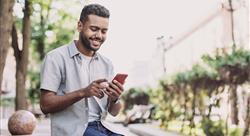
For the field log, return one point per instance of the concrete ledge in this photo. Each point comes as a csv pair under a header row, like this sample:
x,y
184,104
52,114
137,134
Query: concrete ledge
x,y
149,130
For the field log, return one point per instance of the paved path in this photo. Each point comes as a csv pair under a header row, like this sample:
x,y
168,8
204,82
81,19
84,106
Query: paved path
x,y
43,128
149,130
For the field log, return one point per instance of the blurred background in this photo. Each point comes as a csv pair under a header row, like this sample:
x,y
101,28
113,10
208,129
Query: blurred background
x,y
188,61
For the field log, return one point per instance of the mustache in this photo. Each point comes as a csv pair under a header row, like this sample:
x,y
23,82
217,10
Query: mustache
x,y
96,39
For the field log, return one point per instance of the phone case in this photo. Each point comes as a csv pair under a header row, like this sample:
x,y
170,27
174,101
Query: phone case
x,y
120,78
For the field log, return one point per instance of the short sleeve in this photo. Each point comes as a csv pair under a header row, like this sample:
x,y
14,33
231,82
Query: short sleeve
x,y
50,74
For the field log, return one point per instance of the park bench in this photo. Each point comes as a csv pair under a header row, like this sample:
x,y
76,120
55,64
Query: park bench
x,y
138,114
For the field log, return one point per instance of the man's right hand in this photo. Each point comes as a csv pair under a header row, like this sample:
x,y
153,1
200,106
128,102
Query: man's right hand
x,y
95,89
50,102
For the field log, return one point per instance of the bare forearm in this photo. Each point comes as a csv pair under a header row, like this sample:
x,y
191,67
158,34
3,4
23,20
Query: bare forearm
x,y
53,103
114,109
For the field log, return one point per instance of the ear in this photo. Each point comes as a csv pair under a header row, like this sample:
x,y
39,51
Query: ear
x,y
79,26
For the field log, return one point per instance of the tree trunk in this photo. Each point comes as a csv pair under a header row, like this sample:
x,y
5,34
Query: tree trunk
x,y
217,91
6,20
185,96
247,120
21,94
43,28
22,57
192,124
232,23
211,104
234,105
41,42
191,119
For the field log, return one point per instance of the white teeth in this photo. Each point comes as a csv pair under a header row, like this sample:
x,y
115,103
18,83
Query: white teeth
x,y
96,42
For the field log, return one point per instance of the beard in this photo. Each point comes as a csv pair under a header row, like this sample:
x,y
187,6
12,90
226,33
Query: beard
x,y
86,42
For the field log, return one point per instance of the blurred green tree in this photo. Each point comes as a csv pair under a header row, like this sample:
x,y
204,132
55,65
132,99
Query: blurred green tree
x,y
47,34
233,69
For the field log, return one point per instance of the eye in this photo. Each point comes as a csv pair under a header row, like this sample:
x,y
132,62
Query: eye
x,y
104,31
94,28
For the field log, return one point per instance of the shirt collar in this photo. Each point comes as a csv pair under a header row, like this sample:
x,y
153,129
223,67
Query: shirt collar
x,y
74,51
96,56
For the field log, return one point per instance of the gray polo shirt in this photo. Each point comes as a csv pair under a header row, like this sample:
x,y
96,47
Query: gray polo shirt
x,y
62,73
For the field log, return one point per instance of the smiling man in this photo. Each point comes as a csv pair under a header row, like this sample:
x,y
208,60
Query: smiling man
x,y
73,78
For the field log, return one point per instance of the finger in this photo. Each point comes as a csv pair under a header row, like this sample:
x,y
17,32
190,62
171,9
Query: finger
x,y
99,94
114,92
94,91
100,81
97,85
105,84
116,88
110,94
118,85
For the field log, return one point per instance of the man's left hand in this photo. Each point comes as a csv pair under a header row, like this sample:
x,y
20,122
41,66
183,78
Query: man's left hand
x,y
114,90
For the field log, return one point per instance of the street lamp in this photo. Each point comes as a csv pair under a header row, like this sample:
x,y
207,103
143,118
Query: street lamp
x,y
164,46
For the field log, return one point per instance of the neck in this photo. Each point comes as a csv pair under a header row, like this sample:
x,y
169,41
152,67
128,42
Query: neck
x,y
81,48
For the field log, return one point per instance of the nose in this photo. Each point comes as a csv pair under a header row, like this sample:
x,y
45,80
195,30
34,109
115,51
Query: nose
x,y
98,34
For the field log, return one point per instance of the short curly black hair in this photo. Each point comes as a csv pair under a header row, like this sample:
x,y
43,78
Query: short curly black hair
x,y
94,9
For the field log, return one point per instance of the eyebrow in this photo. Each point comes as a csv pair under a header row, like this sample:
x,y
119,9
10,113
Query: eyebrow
x,y
98,27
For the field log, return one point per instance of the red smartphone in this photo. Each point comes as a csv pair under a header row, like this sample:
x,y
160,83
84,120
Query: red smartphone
x,y
120,78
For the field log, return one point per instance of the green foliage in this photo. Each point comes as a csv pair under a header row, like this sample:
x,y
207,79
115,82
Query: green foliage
x,y
240,57
6,102
233,68
180,78
34,90
157,96
213,128
188,93
235,132
199,77
217,128
62,37
167,106
51,28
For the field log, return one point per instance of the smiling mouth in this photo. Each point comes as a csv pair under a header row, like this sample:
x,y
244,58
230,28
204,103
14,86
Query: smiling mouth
x,y
96,42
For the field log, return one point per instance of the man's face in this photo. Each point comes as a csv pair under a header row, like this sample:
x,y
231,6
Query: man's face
x,y
93,32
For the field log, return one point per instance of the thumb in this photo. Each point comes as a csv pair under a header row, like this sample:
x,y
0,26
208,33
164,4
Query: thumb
x,y
100,80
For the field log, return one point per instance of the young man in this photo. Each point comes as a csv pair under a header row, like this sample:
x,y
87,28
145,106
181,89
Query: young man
x,y
73,77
